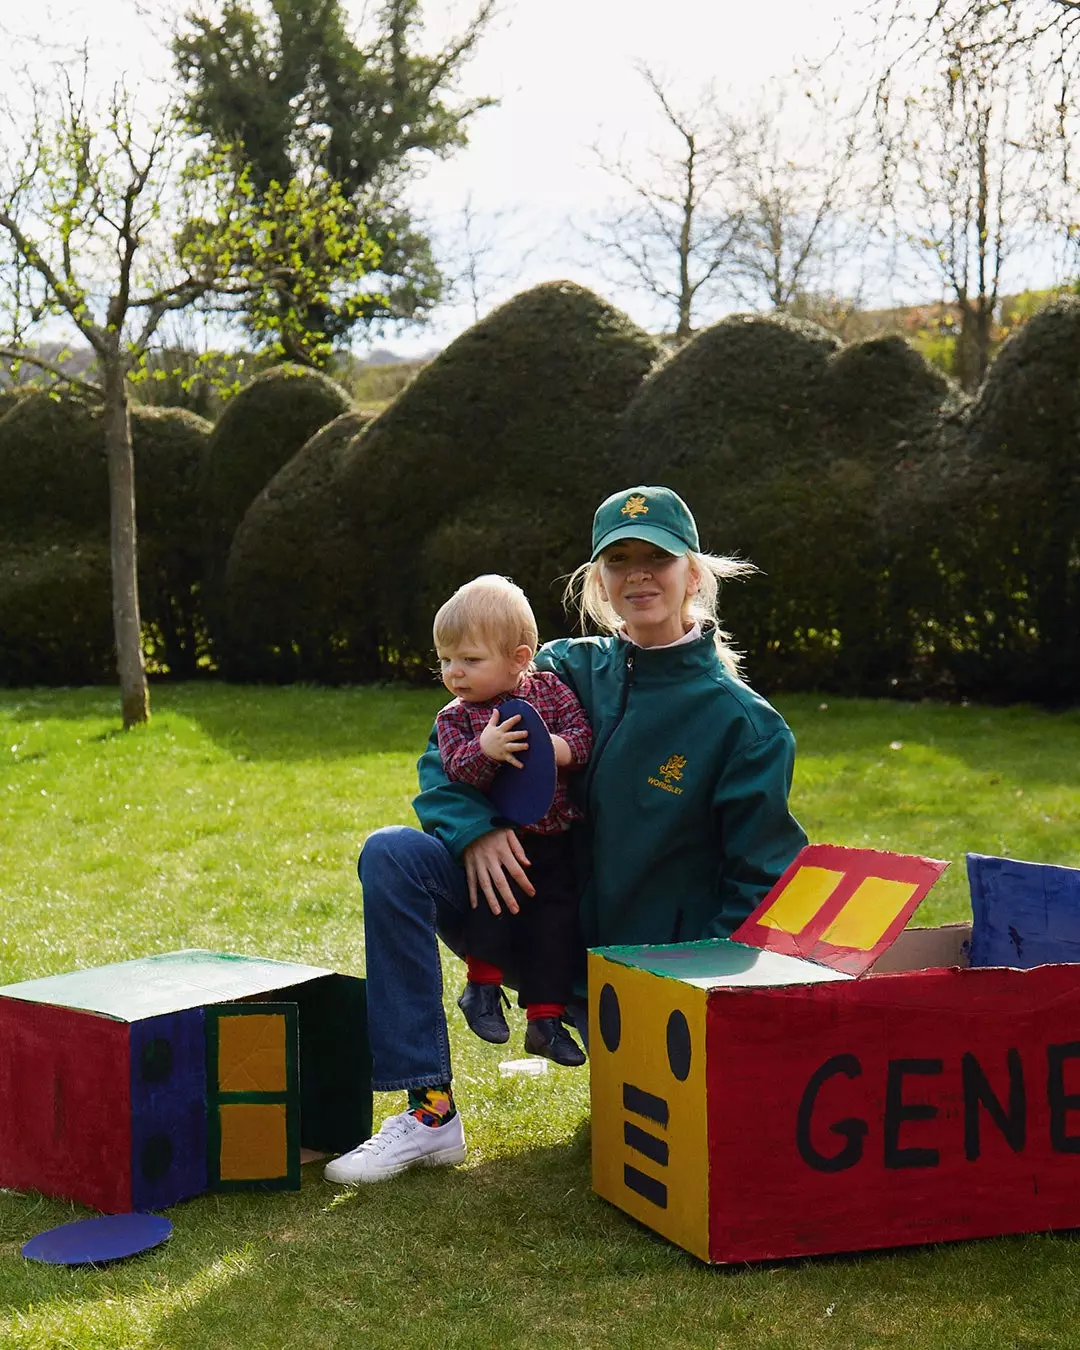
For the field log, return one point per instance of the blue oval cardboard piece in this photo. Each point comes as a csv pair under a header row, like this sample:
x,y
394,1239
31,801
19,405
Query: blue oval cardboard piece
x,y
525,795
94,1241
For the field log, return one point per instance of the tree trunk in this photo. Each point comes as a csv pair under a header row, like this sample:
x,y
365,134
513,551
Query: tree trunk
x,y
123,545
973,342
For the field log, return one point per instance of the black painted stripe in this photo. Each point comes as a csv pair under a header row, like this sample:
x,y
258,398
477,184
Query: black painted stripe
x,y
644,1104
644,1142
652,1190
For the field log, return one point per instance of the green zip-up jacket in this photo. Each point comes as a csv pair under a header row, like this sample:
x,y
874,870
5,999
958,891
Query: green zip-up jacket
x,y
685,794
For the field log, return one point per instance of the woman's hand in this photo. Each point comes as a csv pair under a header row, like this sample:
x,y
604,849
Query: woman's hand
x,y
490,862
503,740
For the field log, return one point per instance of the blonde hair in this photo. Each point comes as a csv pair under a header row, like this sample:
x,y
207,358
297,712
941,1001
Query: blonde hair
x,y
489,608
585,595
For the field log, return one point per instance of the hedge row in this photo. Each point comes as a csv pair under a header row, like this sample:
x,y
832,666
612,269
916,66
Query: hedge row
x,y
909,539
192,483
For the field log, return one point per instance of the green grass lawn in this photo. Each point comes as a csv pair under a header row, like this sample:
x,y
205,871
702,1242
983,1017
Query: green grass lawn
x,y
233,822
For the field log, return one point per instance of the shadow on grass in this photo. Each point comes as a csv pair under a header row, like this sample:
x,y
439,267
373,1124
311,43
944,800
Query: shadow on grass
x,y
283,724
1031,746
515,1251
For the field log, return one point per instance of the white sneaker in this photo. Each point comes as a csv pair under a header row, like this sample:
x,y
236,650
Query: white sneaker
x,y
402,1142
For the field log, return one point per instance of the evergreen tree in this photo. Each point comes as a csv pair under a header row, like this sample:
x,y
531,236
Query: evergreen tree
x,y
290,91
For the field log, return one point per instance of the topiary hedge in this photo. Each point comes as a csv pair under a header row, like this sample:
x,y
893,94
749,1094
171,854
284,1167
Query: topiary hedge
x,y
52,458
493,458
170,447
297,584
259,432
12,394
52,466
55,614
783,443
1009,513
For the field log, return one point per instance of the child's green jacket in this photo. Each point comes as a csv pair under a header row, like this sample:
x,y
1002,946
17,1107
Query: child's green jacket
x,y
685,795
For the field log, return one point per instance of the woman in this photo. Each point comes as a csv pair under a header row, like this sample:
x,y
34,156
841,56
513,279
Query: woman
x,y
687,822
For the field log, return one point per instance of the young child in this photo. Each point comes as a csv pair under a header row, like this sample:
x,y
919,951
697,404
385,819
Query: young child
x,y
485,637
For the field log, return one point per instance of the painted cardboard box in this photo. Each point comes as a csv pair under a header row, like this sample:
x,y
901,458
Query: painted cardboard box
x,y
136,1085
751,1103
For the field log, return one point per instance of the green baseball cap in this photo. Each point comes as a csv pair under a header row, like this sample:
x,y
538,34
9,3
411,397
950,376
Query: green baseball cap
x,y
655,514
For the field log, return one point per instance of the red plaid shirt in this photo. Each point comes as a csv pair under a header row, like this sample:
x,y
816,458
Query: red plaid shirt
x,y
459,725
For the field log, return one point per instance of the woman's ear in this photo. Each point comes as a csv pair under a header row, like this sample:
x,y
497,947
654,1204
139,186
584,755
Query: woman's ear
x,y
693,580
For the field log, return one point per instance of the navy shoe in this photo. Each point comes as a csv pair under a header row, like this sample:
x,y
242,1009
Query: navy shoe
x,y
577,1016
548,1037
482,1006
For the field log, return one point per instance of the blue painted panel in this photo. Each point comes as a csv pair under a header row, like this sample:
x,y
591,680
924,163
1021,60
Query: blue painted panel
x,y
168,1109
1024,914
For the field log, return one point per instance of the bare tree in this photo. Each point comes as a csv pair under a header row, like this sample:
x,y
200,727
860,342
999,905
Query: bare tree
x,y
671,233
484,254
968,183
794,174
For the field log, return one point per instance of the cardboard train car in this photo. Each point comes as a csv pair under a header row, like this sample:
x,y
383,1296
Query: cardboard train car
x,y
829,1080
136,1085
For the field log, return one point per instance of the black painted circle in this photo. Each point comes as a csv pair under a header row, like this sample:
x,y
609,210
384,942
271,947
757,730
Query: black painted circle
x,y
678,1045
156,1157
610,1018
157,1060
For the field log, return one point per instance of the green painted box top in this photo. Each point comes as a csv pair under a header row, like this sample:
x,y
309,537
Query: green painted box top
x,y
130,991
716,963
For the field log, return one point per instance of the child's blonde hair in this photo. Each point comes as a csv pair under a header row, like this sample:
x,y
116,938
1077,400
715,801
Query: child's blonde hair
x,y
489,608
585,595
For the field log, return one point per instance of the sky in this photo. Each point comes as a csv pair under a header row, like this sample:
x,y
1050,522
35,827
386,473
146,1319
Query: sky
x,y
564,74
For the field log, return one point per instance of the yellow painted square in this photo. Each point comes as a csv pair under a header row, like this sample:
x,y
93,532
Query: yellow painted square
x,y
801,899
254,1141
873,906
251,1053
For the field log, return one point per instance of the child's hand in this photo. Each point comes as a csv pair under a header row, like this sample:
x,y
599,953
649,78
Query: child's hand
x,y
563,757
503,741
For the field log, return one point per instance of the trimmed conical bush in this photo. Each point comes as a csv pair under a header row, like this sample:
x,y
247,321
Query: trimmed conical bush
x,y
297,583
494,459
781,442
257,434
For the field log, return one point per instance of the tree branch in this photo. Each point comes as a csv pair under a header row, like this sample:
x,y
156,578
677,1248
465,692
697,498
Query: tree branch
x,y
14,354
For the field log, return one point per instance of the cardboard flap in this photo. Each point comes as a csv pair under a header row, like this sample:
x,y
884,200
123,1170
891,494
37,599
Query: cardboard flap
x,y
840,907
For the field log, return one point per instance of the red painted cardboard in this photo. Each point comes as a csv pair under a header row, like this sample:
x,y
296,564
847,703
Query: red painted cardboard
x,y
905,1108
65,1127
848,895
103,1087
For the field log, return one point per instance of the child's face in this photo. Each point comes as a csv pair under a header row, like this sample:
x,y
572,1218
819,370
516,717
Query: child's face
x,y
475,672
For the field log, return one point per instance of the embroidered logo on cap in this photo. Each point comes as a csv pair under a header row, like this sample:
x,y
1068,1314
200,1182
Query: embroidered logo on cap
x,y
635,506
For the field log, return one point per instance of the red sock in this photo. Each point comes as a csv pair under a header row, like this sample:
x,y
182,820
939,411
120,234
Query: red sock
x,y
533,1011
482,972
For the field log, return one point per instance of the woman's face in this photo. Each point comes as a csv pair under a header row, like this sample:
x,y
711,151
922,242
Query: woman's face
x,y
648,588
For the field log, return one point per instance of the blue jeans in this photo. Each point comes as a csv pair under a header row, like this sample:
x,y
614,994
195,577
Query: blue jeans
x,y
414,894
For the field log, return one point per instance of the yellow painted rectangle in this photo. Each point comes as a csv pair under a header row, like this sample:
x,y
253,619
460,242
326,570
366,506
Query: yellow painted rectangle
x,y
801,899
873,906
251,1052
641,1059
253,1141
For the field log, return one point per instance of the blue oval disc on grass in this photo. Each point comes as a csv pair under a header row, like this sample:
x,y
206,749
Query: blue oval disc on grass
x,y
93,1241
525,795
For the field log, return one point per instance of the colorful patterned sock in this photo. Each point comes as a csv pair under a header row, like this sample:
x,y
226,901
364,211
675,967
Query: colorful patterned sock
x,y
432,1105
